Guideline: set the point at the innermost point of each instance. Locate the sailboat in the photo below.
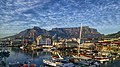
(80, 56)
(77, 56)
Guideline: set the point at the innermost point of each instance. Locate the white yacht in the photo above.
(58, 62)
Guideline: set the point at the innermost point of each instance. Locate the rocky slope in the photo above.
(60, 32)
(74, 32)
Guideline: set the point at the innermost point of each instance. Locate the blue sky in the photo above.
(18, 15)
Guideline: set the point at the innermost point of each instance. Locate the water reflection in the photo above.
(35, 57)
(3, 55)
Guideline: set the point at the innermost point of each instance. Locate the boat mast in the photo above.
(80, 34)
(80, 38)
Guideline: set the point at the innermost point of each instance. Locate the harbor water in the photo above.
(36, 57)
(17, 55)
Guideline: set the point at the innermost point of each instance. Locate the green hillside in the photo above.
(114, 35)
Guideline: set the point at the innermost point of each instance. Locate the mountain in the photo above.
(35, 31)
(60, 32)
(114, 35)
(74, 32)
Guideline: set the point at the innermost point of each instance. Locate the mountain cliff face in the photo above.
(61, 32)
(36, 31)
(75, 32)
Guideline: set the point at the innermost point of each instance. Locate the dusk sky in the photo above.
(18, 15)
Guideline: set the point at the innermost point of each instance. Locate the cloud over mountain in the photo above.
(17, 15)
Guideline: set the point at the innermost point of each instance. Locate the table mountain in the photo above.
(75, 32)
(60, 32)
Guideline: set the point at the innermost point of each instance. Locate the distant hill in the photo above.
(60, 32)
(114, 35)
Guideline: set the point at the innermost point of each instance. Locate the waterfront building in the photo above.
(71, 44)
(44, 40)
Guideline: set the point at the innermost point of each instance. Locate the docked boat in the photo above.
(28, 65)
(54, 48)
(58, 57)
(21, 65)
(58, 62)
(47, 47)
(22, 47)
(4, 53)
(82, 56)
(51, 63)
(16, 64)
(102, 59)
(36, 48)
(65, 63)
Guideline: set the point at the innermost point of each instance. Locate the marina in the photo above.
(43, 51)
(52, 58)
(59, 33)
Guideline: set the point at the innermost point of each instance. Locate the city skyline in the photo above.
(18, 15)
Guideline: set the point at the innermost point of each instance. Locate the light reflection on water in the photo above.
(17, 55)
